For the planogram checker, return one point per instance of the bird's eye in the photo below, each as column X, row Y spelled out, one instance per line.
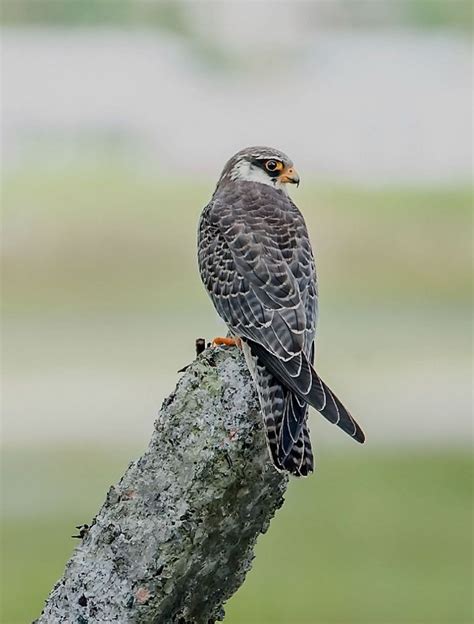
column 273, row 165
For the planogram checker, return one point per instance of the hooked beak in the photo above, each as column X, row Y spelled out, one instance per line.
column 289, row 176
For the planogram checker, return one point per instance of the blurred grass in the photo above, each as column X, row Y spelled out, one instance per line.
column 94, row 240
column 174, row 16
column 370, row 538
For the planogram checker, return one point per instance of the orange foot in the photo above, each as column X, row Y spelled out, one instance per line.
column 228, row 342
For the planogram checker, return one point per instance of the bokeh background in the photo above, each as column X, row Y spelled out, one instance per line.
column 116, row 120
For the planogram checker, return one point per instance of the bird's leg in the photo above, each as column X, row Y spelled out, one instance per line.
column 228, row 342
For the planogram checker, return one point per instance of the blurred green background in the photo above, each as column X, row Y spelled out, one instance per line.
column 102, row 301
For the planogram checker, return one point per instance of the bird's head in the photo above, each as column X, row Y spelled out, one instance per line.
column 260, row 164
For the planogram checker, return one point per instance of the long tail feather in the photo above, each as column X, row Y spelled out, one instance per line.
column 294, row 376
column 333, row 410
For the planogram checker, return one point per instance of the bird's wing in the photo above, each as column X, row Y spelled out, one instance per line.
column 260, row 275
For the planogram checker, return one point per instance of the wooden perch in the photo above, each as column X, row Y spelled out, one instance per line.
column 174, row 539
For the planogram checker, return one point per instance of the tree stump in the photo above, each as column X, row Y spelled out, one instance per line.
column 175, row 537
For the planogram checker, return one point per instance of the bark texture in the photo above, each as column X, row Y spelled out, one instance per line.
column 174, row 539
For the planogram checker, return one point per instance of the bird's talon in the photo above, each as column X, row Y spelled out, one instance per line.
column 228, row 342
column 83, row 531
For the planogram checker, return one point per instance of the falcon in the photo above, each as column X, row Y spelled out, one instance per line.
column 257, row 264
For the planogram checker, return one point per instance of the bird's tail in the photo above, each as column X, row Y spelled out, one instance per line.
column 286, row 429
column 284, row 415
column 271, row 395
column 300, row 462
column 294, row 445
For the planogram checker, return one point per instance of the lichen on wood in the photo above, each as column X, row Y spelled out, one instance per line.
column 175, row 537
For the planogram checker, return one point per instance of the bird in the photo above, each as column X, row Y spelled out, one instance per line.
column 256, row 262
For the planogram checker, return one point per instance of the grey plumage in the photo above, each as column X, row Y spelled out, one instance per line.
column 256, row 262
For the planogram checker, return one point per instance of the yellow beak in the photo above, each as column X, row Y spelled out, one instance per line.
column 289, row 176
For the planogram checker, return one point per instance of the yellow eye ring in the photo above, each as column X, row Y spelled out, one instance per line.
column 273, row 165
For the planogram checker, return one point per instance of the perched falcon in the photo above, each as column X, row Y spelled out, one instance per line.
column 256, row 262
